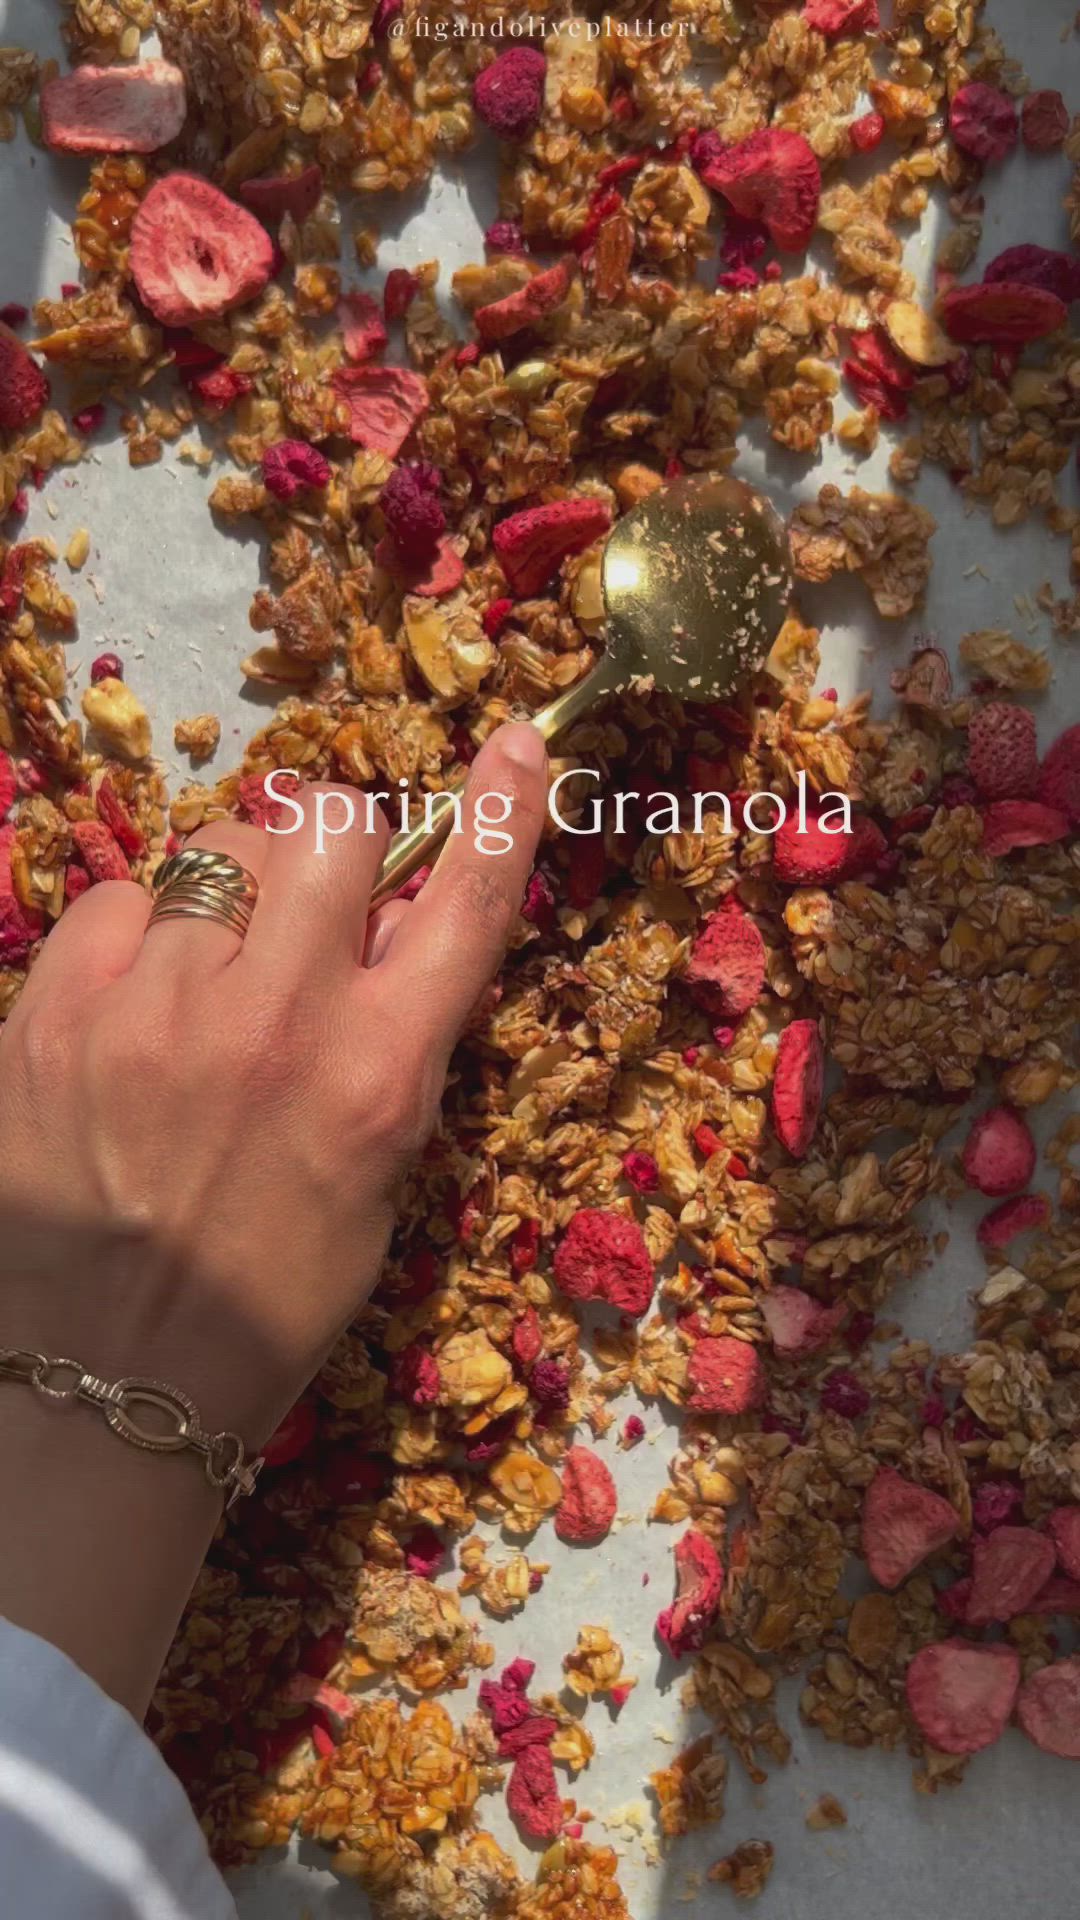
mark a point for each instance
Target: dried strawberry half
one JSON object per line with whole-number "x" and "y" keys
{"x": 1048, "y": 1708}
{"x": 772, "y": 176}
{"x": 114, "y": 109}
{"x": 1003, "y": 757}
{"x": 1010, "y": 1567}
{"x": 195, "y": 253}
{"x": 699, "y": 1580}
{"x": 999, "y": 1155}
{"x": 1006, "y": 313}
{"x": 384, "y": 405}
{"x": 961, "y": 1695}
{"x": 1032, "y": 266}
{"x": 797, "y": 1086}
{"x": 901, "y": 1524}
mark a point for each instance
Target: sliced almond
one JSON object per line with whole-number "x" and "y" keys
{"x": 918, "y": 337}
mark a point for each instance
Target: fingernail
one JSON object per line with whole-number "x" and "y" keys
{"x": 523, "y": 744}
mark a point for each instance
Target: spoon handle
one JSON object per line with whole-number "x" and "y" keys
{"x": 409, "y": 851}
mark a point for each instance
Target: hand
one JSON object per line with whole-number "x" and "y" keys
{"x": 202, "y": 1138}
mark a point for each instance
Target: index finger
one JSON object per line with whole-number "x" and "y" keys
{"x": 447, "y": 949}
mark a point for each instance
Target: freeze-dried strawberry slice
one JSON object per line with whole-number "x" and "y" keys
{"x": 1058, "y": 780}
{"x": 797, "y": 1086}
{"x": 24, "y": 390}
{"x": 500, "y": 319}
{"x": 589, "y": 1500}
{"x": 999, "y": 1154}
{"x": 363, "y": 329}
{"x": 726, "y": 968}
{"x": 441, "y": 573}
{"x": 699, "y": 1578}
{"x": 114, "y": 109}
{"x": 725, "y": 1375}
{"x": 1048, "y": 1708}
{"x": 99, "y": 851}
{"x": 1009, "y": 824}
{"x": 1007, "y": 313}
{"x": 1010, "y": 1567}
{"x": 901, "y": 1524}
{"x": 961, "y": 1696}
{"x": 1033, "y": 266}
{"x": 1064, "y": 1525}
{"x": 530, "y": 545}
{"x": 983, "y": 121}
{"x": 833, "y": 17}
{"x": 797, "y": 1322}
{"x": 1044, "y": 119}
{"x": 603, "y": 1256}
{"x": 281, "y": 193}
{"x": 772, "y": 176}
{"x": 823, "y": 855}
{"x": 1060, "y": 1596}
{"x": 1003, "y": 756}
{"x": 532, "y": 1795}
{"x": 195, "y": 253}
{"x": 385, "y": 404}
{"x": 1012, "y": 1218}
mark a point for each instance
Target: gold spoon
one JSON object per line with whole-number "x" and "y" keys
{"x": 695, "y": 582}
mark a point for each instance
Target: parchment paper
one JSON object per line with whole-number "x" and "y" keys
{"x": 170, "y": 592}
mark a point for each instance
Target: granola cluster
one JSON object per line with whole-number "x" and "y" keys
{"x": 719, "y": 1072}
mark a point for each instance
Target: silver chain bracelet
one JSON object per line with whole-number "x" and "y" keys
{"x": 225, "y": 1461}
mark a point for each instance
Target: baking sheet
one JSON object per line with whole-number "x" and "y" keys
{"x": 169, "y": 590}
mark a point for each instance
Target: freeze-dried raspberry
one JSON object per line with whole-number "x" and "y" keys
{"x": 742, "y": 242}
{"x": 24, "y": 390}
{"x": 641, "y": 1171}
{"x": 901, "y": 1524}
{"x": 549, "y": 1384}
{"x": 219, "y": 388}
{"x": 1012, "y": 1218}
{"x": 825, "y": 855}
{"x": 527, "y": 1340}
{"x": 1009, "y": 824}
{"x": 699, "y": 1579}
{"x": 1064, "y": 1526}
{"x": 961, "y": 1696}
{"x": 602, "y": 1256}
{"x": 524, "y": 1246}
{"x": 797, "y": 1322}
{"x": 414, "y": 1374}
{"x": 538, "y": 906}
{"x": 99, "y": 851}
{"x": 89, "y": 419}
{"x": 293, "y": 1437}
{"x": 1009, "y": 1568}
{"x": 1004, "y": 313}
{"x": 278, "y": 194}
{"x": 1048, "y": 1708}
{"x": 772, "y": 176}
{"x": 106, "y": 666}
{"x": 505, "y": 236}
{"x": 834, "y": 17}
{"x": 509, "y": 94}
{"x": 195, "y": 253}
{"x": 798, "y": 1083}
{"x": 290, "y": 465}
{"x": 125, "y": 831}
{"x": 993, "y": 1504}
{"x": 726, "y": 968}
{"x": 1003, "y": 757}
{"x": 412, "y": 509}
{"x": 384, "y": 405}
{"x": 1032, "y": 266}
{"x": 501, "y": 319}
{"x": 424, "y": 1552}
{"x": 867, "y": 132}
{"x": 495, "y": 616}
{"x": 536, "y": 1730}
{"x": 982, "y": 121}
{"x": 633, "y": 1430}
{"x": 589, "y": 1500}
{"x": 1058, "y": 781}
{"x": 725, "y": 1375}
{"x": 999, "y": 1154}
{"x": 399, "y": 291}
{"x": 363, "y": 329}
{"x": 532, "y": 544}
{"x": 439, "y": 572}
{"x": 113, "y": 109}
{"x": 844, "y": 1394}
{"x": 533, "y": 1795}
{"x": 1044, "y": 120}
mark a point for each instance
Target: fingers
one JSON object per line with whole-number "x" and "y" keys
{"x": 446, "y": 950}
{"x": 314, "y": 900}
{"x": 381, "y": 929}
{"x": 201, "y": 946}
{"x": 95, "y": 941}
